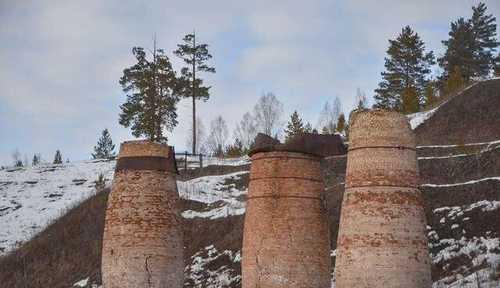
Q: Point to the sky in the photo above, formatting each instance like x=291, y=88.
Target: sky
x=60, y=61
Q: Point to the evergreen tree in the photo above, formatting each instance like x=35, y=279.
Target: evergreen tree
x=36, y=160
x=455, y=81
x=195, y=56
x=152, y=95
x=430, y=95
x=484, y=29
x=411, y=103
x=105, y=147
x=341, y=123
x=294, y=126
x=407, y=65
x=58, y=158
x=471, y=45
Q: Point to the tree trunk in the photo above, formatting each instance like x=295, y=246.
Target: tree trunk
x=194, y=94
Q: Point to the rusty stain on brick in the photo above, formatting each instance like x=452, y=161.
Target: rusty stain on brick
x=142, y=242
x=286, y=238
x=382, y=236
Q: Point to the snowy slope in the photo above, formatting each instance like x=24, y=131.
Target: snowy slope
x=222, y=199
x=32, y=197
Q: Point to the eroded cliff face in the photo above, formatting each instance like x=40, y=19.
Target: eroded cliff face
x=469, y=117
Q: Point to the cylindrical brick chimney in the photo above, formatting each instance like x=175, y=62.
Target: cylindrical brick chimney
x=286, y=237
x=382, y=235
x=142, y=244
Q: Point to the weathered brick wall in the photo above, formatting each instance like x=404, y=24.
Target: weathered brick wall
x=286, y=236
x=382, y=237
x=142, y=242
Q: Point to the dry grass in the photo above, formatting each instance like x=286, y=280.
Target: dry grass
x=68, y=250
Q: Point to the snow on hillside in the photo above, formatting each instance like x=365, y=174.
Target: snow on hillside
x=420, y=117
x=201, y=273
x=219, y=192
x=32, y=197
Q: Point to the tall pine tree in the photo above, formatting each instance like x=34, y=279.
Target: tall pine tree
x=294, y=126
x=195, y=56
x=407, y=65
x=471, y=45
x=105, y=147
x=152, y=95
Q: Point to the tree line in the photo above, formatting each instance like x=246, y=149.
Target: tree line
x=407, y=85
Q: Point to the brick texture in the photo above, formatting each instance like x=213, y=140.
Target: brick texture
x=286, y=238
x=382, y=234
x=142, y=242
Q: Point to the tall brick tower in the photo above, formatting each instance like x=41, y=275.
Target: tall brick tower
x=286, y=236
x=142, y=244
x=382, y=235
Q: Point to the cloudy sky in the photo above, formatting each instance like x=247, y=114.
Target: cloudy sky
x=60, y=61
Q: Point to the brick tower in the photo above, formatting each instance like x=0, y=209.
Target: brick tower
x=142, y=244
x=382, y=236
x=286, y=236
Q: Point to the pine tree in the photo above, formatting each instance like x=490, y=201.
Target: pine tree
x=195, y=56
x=411, y=103
x=36, y=160
x=294, y=126
x=58, y=158
x=484, y=29
x=407, y=65
x=455, y=81
x=105, y=147
x=471, y=45
x=341, y=123
x=430, y=95
x=459, y=52
x=152, y=94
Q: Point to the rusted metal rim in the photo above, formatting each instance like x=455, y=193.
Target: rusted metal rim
x=383, y=147
x=150, y=163
x=279, y=149
x=286, y=156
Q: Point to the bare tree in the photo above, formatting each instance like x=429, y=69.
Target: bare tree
x=200, y=146
x=217, y=138
x=361, y=101
x=329, y=115
x=268, y=114
x=246, y=130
